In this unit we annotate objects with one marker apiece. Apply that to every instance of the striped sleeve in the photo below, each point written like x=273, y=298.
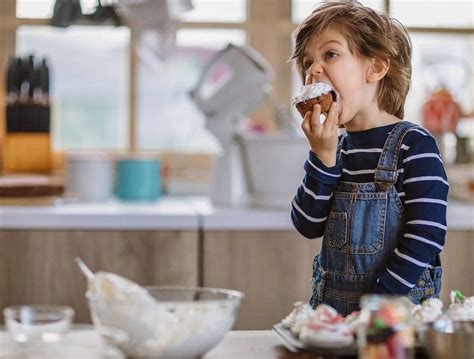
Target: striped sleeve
x=312, y=202
x=425, y=185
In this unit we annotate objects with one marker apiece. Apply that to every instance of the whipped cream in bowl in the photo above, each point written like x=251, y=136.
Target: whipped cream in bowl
x=168, y=321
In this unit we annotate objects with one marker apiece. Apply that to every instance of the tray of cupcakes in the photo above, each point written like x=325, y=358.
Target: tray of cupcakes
x=396, y=325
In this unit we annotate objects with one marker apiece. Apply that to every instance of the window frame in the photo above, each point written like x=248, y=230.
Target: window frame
x=262, y=15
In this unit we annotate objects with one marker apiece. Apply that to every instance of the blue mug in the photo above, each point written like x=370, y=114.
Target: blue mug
x=137, y=179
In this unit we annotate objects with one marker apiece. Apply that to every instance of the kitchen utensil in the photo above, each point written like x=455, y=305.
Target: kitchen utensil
x=84, y=268
x=232, y=84
x=46, y=323
x=271, y=184
x=184, y=322
x=28, y=186
x=458, y=344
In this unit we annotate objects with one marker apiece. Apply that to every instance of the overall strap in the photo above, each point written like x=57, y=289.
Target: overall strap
x=386, y=172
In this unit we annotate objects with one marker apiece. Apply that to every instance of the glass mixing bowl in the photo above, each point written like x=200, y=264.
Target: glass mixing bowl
x=46, y=323
x=184, y=322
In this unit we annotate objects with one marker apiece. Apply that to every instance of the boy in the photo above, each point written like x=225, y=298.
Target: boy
x=377, y=194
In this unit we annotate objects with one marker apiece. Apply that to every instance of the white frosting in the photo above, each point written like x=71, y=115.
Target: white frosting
x=430, y=310
x=461, y=309
x=294, y=321
x=311, y=91
x=326, y=328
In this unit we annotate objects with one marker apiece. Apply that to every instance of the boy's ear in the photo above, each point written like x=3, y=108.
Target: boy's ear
x=377, y=69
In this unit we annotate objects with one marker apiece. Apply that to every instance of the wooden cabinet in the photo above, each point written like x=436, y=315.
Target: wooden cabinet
x=38, y=266
x=458, y=264
x=272, y=268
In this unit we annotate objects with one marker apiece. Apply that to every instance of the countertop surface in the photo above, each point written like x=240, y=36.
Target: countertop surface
x=172, y=213
x=261, y=344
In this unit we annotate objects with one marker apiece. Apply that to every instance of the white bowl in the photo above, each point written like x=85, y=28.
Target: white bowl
x=184, y=322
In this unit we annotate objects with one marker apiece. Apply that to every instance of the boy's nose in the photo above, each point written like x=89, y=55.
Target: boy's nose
x=314, y=73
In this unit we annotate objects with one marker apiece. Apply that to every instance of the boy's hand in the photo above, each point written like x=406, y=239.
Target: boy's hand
x=322, y=137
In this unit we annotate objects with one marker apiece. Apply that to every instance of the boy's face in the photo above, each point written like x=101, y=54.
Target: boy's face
x=328, y=59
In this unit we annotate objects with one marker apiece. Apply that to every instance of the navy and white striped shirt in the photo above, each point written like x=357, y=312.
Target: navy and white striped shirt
x=421, y=185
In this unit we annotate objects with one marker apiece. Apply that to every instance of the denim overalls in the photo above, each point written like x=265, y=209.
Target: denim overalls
x=364, y=225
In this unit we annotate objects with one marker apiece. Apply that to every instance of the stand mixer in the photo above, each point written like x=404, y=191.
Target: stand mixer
x=232, y=85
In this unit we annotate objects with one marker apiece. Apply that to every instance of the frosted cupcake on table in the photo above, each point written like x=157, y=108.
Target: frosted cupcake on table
x=461, y=308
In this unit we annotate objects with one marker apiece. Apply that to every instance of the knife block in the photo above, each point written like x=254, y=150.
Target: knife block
x=27, y=141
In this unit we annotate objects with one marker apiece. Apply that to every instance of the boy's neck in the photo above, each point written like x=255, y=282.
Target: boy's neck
x=370, y=119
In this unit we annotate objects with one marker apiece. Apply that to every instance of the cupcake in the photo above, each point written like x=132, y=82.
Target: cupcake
x=312, y=94
x=326, y=328
x=461, y=308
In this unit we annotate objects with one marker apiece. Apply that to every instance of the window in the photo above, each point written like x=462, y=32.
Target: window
x=89, y=82
x=167, y=117
x=302, y=8
x=230, y=11
x=43, y=9
x=95, y=113
x=434, y=13
x=440, y=60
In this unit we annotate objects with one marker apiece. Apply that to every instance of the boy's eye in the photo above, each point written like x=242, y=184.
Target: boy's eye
x=329, y=55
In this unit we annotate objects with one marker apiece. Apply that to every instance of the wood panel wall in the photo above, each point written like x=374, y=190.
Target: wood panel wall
x=273, y=270
x=38, y=266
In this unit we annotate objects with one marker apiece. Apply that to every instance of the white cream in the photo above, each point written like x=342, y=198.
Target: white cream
x=461, y=308
x=311, y=91
x=427, y=312
x=301, y=313
x=462, y=311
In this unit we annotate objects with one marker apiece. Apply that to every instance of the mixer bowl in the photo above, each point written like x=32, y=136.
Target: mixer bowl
x=184, y=322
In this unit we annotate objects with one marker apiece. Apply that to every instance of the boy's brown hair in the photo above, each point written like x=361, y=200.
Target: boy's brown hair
x=369, y=35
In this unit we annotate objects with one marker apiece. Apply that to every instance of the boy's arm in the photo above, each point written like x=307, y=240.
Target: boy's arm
x=312, y=202
x=425, y=189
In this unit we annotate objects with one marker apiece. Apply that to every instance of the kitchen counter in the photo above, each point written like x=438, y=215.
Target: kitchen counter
x=169, y=213
x=165, y=214
x=256, y=344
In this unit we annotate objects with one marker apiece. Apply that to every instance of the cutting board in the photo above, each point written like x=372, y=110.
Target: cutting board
x=30, y=189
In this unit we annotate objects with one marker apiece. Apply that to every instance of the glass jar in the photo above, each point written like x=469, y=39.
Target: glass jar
x=385, y=329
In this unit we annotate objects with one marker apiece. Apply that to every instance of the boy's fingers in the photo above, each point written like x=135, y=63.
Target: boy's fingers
x=315, y=117
x=336, y=115
x=305, y=125
x=331, y=118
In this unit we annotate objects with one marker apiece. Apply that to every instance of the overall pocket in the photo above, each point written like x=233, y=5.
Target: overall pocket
x=368, y=224
x=336, y=229
x=427, y=286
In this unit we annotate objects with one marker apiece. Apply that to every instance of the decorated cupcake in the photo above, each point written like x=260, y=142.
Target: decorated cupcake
x=300, y=314
x=326, y=328
x=461, y=308
x=312, y=94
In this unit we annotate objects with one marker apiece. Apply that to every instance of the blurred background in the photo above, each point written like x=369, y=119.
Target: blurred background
x=105, y=96
x=156, y=139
